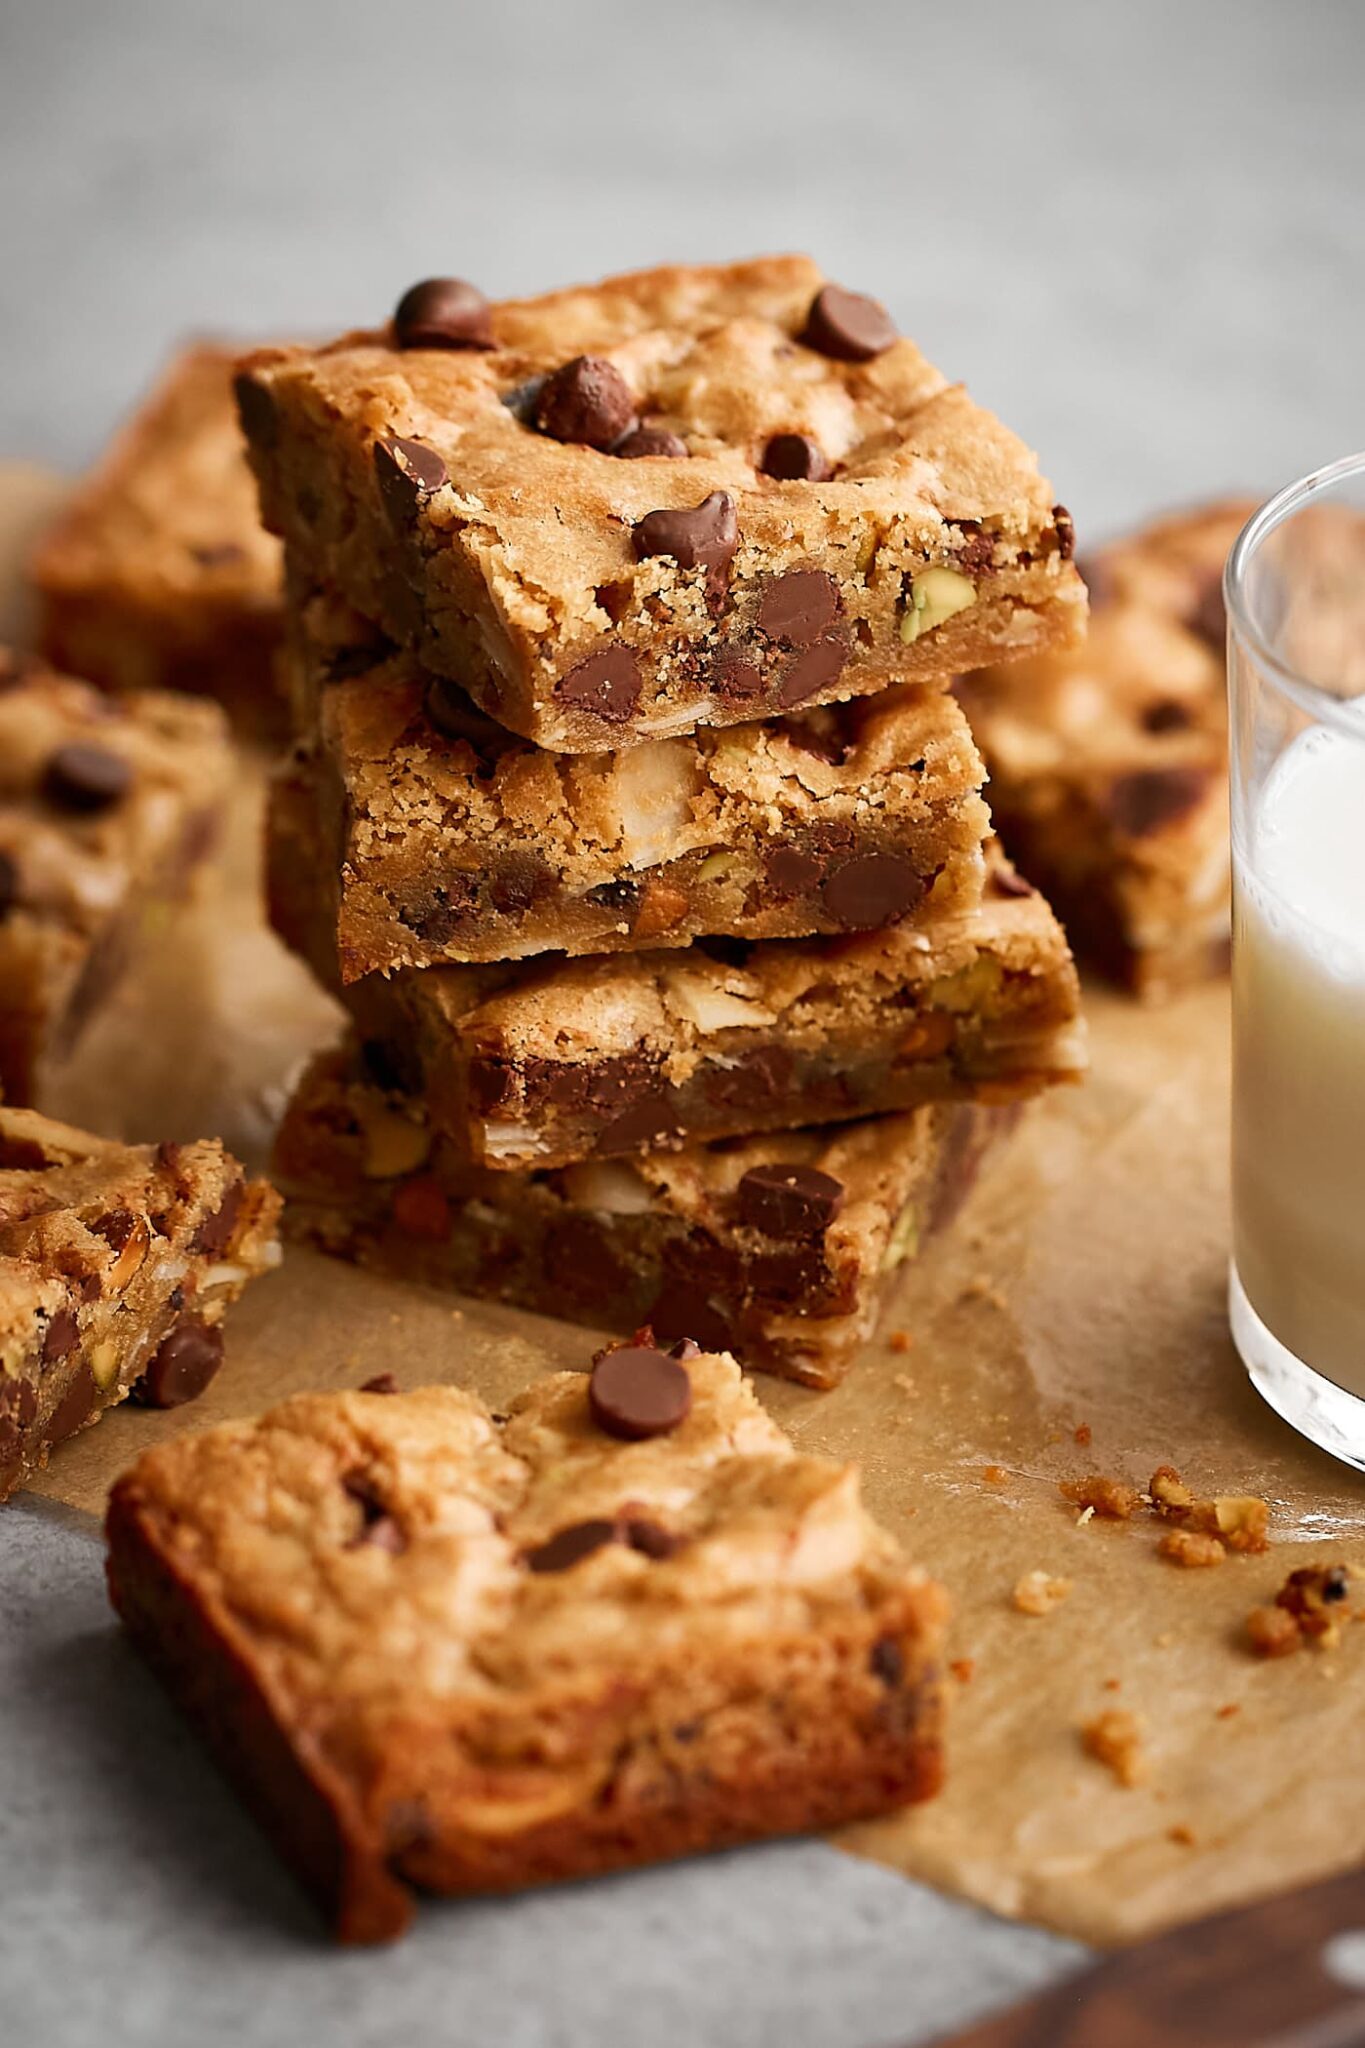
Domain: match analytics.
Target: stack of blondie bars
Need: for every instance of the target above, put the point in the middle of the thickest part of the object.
(629, 811)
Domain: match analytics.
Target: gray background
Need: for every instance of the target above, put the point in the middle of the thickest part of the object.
(1136, 230)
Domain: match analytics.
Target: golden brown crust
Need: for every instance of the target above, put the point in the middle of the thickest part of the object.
(522, 563)
(432, 1711)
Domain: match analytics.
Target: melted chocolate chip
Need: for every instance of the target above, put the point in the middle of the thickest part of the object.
(183, 1366)
(847, 326)
(76, 1406)
(382, 1383)
(1142, 803)
(789, 1201)
(637, 1392)
(587, 401)
(799, 607)
(795, 458)
(87, 778)
(1066, 532)
(407, 473)
(9, 884)
(62, 1336)
(814, 669)
(872, 891)
(256, 411)
(607, 683)
(568, 1546)
(653, 1121)
(703, 538)
(116, 1226)
(734, 677)
(443, 312)
(378, 1528)
(791, 872)
(456, 717)
(647, 440)
(214, 1234)
(1168, 714)
(651, 1539)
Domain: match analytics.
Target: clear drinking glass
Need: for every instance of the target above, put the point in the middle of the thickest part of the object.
(1295, 588)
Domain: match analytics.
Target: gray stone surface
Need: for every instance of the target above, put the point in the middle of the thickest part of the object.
(1136, 230)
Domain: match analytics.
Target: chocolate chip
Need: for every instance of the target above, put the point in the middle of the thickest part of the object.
(734, 677)
(1168, 714)
(647, 440)
(1006, 882)
(521, 400)
(795, 458)
(382, 1383)
(607, 683)
(75, 1407)
(847, 326)
(23, 1155)
(703, 538)
(378, 1528)
(18, 1406)
(456, 717)
(443, 312)
(791, 872)
(651, 1539)
(799, 607)
(183, 1366)
(116, 1226)
(886, 1660)
(256, 410)
(1066, 532)
(681, 1306)
(789, 1201)
(1208, 615)
(684, 1350)
(873, 891)
(587, 401)
(9, 884)
(811, 671)
(83, 777)
(407, 472)
(567, 1546)
(620, 895)
(974, 552)
(62, 1336)
(1142, 803)
(637, 1392)
(214, 1234)
(652, 1121)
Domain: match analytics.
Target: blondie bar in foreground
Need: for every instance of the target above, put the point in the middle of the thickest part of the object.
(117, 1264)
(1108, 765)
(541, 1064)
(684, 497)
(778, 1248)
(158, 573)
(443, 1652)
(443, 837)
(107, 806)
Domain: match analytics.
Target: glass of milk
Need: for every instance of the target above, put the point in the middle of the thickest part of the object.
(1295, 588)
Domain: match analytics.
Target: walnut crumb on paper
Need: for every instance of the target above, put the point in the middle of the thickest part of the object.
(1190, 1548)
(1114, 1739)
(1239, 1521)
(1113, 1500)
(1038, 1592)
(1307, 1610)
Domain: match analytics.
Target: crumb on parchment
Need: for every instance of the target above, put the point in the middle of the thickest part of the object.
(1308, 1609)
(901, 1341)
(1113, 1500)
(1037, 1592)
(1190, 1548)
(1182, 1836)
(1239, 1521)
(1114, 1739)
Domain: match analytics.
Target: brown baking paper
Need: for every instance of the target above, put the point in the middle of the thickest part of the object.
(1084, 1285)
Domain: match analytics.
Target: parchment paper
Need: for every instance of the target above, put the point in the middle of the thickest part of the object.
(1083, 1286)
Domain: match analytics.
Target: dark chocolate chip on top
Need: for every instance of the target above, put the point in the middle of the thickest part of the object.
(637, 1392)
(587, 401)
(847, 326)
(382, 1383)
(83, 777)
(649, 440)
(407, 472)
(704, 536)
(568, 1546)
(795, 458)
(784, 1200)
(443, 312)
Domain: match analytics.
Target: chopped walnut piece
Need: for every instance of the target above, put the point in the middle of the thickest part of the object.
(1313, 1594)
(1038, 1593)
(1240, 1520)
(1114, 1739)
(1170, 1495)
(1192, 1548)
(1273, 1633)
(1112, 1499)
(994, 1475)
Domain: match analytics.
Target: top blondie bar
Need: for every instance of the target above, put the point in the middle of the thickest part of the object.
(682, 497)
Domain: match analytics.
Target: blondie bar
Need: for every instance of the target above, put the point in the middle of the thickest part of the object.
(442, 1651)
(107, 805)
(117, 1265)
(543, 1063)
(444, 837)
(779, 1248)
(1108, 765)
(158, 573)
(678, 498)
